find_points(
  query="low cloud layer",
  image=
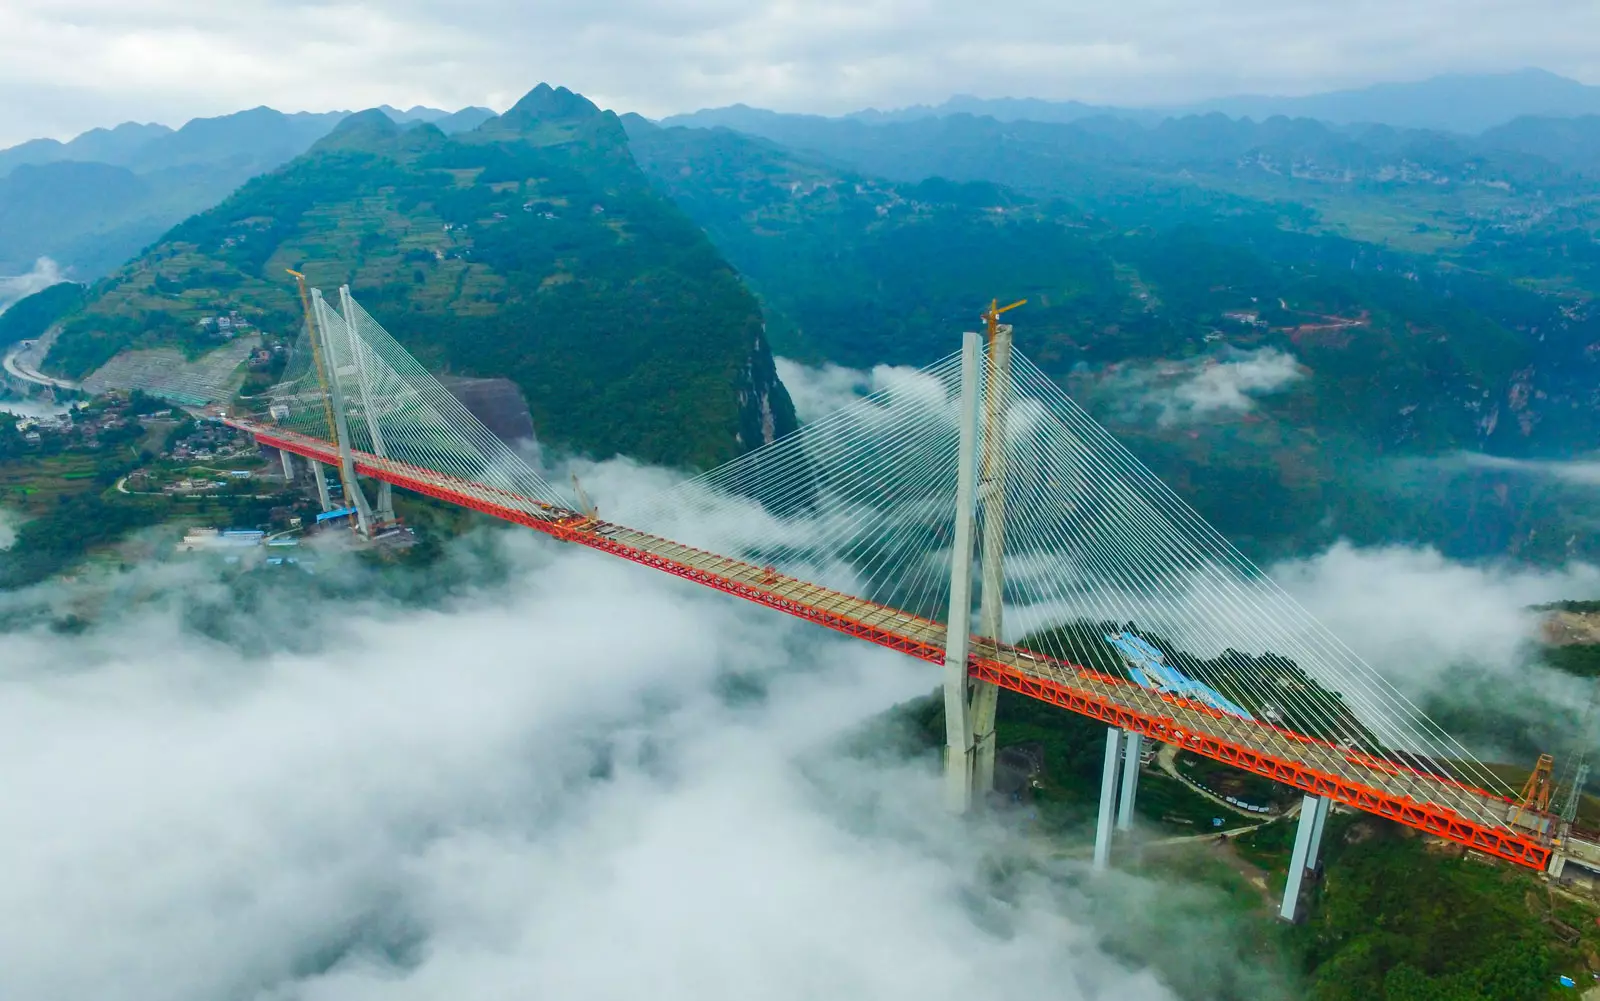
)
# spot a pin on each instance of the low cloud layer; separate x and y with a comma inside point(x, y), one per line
point(543, 788)
point(563, 776)
point(45, 273)
point(1412, 612)
point(818, 391)
point(1580, 472)
point(1458, 639)
point(1197, 389)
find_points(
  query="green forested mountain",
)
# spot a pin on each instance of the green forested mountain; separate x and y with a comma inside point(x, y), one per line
point(1389, 360)
point(30, 317)
point(530, 247)
point(1517, 201)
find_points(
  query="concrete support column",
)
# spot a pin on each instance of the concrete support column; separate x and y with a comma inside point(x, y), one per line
point(286, 457)
point(1309, 808)
point(320, 474)
point(385, 508)
point(1132, 743)
point(958, 761)
point(1108, 800)
point(985, 698)
point(1313, 853)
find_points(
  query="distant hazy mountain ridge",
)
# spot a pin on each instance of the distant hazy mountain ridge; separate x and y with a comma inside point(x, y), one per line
point(1459, 103)
point(95, 201)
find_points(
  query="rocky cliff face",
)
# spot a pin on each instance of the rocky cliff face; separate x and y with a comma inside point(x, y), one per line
point(765, 411)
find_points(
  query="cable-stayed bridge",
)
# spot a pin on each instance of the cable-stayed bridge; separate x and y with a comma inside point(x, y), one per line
point(971, 515)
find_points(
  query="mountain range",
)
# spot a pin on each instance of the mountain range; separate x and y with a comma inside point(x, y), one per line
point(1462, 103)
point(1155, 299)
point(1303, 324)
point(529, 247)
point(95, 201)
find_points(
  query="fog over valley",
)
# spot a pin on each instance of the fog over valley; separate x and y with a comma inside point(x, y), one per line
point(764, 501)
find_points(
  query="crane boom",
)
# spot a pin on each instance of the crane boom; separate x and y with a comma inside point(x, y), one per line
point(316, 352)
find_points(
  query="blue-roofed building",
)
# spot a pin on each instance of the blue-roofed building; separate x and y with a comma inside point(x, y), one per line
point(1148, 667)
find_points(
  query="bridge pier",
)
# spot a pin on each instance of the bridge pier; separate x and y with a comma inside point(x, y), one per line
point(1307, 846)
point(286, 459)
point(1119, 785)
point(320, 474)
point(1132, 742)
point(1108, 800)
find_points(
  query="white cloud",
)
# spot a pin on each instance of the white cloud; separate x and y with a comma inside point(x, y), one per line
point(1458, 640)
point(530, 789)
point(13, 287)
point(1195, 389)
point(818, 391)
point(67, 65)
point(1578, 471)
point(1413, 613)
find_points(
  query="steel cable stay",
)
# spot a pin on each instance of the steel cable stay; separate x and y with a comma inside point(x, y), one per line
point(849, 522)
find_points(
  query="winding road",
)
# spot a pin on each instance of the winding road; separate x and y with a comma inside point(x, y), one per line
point(15, 366)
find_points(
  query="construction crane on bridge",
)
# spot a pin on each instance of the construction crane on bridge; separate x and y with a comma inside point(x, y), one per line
point(316, 350)
point(991, 316)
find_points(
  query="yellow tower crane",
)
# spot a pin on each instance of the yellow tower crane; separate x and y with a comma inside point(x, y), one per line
point(991, 316)
point(316, 353)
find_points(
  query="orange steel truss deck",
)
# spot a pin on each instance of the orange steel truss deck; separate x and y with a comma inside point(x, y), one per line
point(1430, 803)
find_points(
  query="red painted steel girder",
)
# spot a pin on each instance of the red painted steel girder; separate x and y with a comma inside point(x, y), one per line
point(1500, 842)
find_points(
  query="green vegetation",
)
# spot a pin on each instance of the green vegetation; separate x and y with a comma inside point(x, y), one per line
point(61, 482)
point(1401, 917)
point(531, 247)
point(1397, 916)
point(1569, 606)
point(29, 318)
point(1139, 289)
point(1580, 659)
point(93, 203)
point(60, 536)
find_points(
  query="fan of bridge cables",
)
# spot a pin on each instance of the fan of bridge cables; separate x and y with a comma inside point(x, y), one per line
point(392, 406)
point(1104, 567)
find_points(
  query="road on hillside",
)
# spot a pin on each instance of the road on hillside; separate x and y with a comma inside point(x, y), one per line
point(15, 366)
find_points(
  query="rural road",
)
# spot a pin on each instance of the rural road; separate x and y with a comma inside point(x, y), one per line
point(14, 366)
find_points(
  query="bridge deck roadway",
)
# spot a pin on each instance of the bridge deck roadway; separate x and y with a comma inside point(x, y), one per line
point(1390, 789)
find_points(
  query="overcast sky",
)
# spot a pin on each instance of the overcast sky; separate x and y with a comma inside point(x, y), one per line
point(67, 65)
